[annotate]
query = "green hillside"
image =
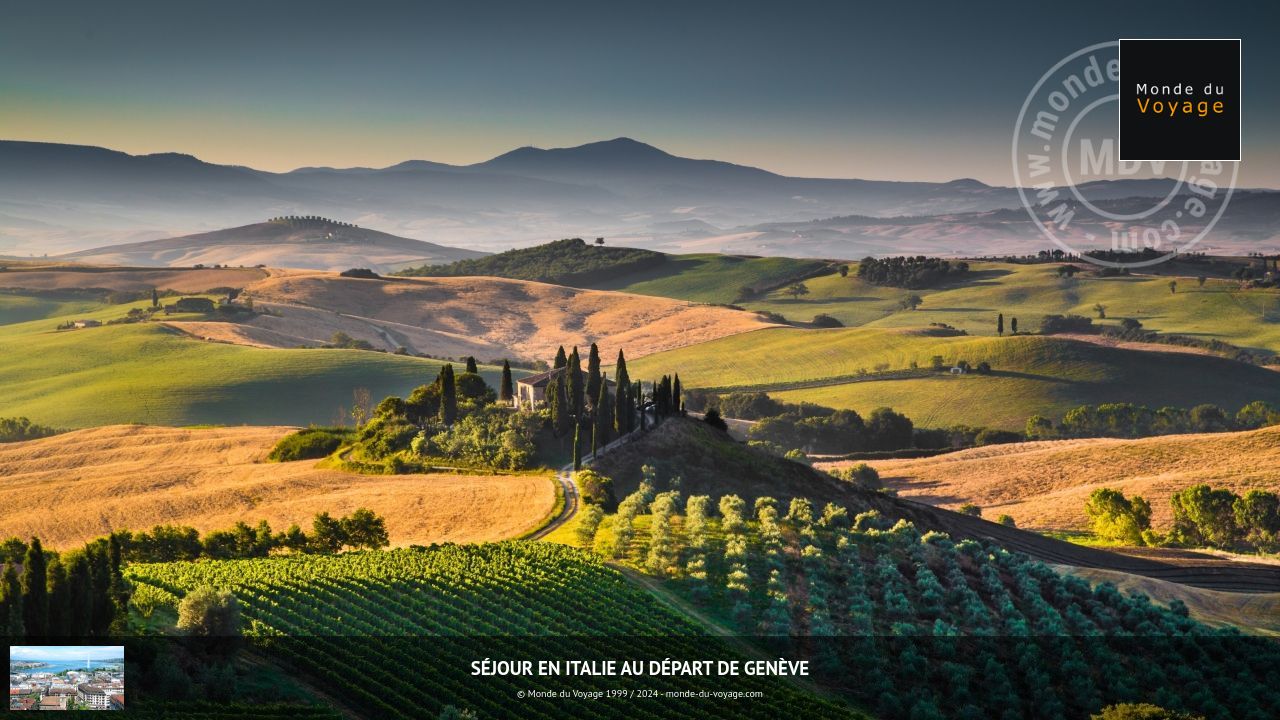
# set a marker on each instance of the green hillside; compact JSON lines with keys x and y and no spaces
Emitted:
{"x":1248,"y":318}
{"x":912,"y":624}
{"x":711,"y":278}
{"x":393,"y":634}
{"x":564,"y":262}
{"x":23,"y":308}
{"x":150,"y":373}
{"x":1031,"y":374}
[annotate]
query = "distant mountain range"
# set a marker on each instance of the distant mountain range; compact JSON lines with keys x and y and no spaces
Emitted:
{"x":64,"y":198}
{"x":315,"y":244}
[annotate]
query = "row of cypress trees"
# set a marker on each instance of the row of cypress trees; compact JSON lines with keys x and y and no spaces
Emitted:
{"x":46,"y":594}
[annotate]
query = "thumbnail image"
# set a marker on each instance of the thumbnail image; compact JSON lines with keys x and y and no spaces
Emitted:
{"x":66,"y":677}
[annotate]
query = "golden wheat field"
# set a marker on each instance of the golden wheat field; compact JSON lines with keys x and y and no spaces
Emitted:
{"x":73,"y":487}
{"x":481,"y":316}
{"x":1044,"y":485}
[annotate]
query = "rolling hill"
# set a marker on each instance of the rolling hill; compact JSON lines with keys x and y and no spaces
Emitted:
{"x":1044,"y":485}
{"x":487,"y":317}
{"x":152,"y":373}
{"x":311,"y":244}
{"x":1031,"y":374}
{"x":210,"y":478}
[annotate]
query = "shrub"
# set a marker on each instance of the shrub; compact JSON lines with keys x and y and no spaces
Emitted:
{"x":309,"y":444}
{"x":595,"y":489}
{"x":712,"y":418}
{"x":992,"y":436}
{"x":210,"y":613}
{"x":823,"y":320}
{"x":970,"y":509}
{"x":1006,"y":520}
{"x":1051,"y":324}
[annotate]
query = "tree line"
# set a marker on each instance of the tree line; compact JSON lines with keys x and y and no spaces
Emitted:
{"x":1203,"y":516}
{"x":1127,"y":420}
{"x":913,"y":272}
{"x":80,"y":593}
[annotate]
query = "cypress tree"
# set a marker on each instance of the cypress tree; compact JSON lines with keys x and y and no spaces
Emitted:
{"x":448,"y":395}
{"x":103,"y":608}
{"x":155,"y":298}
{"x":59,"y":598}
{"x":577,"y":446}
{"x":677,"y":401}
{"x":471,"y":365}
{"x":593,"y":373}
{"x":558,"y":405}
{"x":1000,"y":324}
{"x":80,"y":590}
{"x":644,"y":417}
{"x":604,"y":419}
{"x":35,"y":591}
{"x":576,"y":386}
{"x":1013,"y":326}
{"x":622,"y":406}
{"x":11,"y":600}
{"x":561,"y":361}
{"x":505,"y":390}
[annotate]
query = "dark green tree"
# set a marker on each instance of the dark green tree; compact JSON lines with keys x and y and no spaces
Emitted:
{"x":59,"y":598}
{"x":677,"y":397}
{"x":102,"y":604}
{"x":577,"y":446}
{"x":155,"y":297}
{"x":593,"y":373}
{"x":80,"y":589}
{"x":603,"y":418}
{"x":575,"y":385}
{"x":35,"y":591}
{"x":1013,"y":326}
{"x":471,"y":365}
{"x":448,"y":395}
{"x":327,"y":533}
{"x":623,"y":404}
{"x":505,"y":390}
{"x":1000,"y":324}
{"x":11,"y":603}
{"x":561,"y":359}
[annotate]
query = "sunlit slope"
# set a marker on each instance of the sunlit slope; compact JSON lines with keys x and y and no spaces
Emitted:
{"x":154,"y":374}
{"x":1249,"y":318}
{"x":711,"y":278}
{"x":210,"y":478}
{"x":1046,"y":484}
{"x":1031,"y":374}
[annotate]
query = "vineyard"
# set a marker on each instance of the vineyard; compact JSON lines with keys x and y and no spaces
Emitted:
{"x":917,"y":626}
{"x":393,"y":634}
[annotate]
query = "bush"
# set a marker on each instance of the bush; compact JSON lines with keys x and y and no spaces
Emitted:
{"x":16,"y":429}
{"x":364,"y":273}
{"x":310,"y":444}
{"x":823,"y":320}
{"x":992,"y":436}
{"x":1006,"y":520}
{"x":712,"y":418}
{"x":595,"y":489}
{"x":209,"y":613}
{"x":1141,"y":711}
{"x":970,"y":509}
{"x":862,"y":475}
{"x":1051,"y":324}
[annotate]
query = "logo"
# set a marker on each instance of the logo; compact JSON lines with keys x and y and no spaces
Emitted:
{"x":1082,"y":196}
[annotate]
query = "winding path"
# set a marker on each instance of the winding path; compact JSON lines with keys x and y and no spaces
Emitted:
{"x":565,"y":478}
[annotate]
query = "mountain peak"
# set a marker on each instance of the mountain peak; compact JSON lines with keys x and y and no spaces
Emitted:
{"x":621,"y":148}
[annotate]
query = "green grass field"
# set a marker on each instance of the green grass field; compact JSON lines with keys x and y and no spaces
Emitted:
{"x":710,"y":278}
{"x":1032,"y":374}
{"x":1248,"y":318}
{"x":23,"y":308}
{"x":150,"y":373}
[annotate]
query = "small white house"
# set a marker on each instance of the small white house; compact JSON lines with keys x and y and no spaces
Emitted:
{"x":957,"y":370}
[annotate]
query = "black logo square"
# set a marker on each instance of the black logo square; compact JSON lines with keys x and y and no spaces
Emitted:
{"x":1180,"y":100}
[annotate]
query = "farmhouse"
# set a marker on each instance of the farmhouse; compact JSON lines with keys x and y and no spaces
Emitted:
{"x":88,"y":323}
{"x":191,"y":304}
{"x":531,"y":390}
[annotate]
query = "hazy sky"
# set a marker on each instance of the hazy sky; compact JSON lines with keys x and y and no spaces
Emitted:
{"x":876,"y":90}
